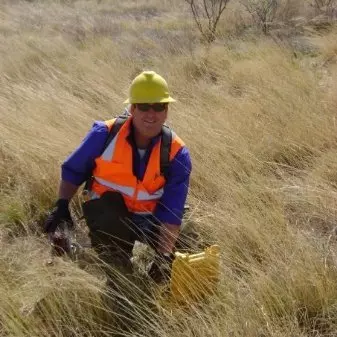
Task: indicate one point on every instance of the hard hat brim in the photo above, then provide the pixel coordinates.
(151, 101)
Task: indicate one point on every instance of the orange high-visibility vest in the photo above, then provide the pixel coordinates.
(113, 172)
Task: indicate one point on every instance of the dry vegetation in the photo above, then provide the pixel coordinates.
(259, 115)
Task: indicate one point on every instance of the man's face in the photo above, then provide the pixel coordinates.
(148, 119)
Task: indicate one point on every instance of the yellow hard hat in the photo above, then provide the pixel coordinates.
(149, 87)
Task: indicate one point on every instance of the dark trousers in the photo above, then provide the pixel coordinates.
(113, 234)
(112, 231)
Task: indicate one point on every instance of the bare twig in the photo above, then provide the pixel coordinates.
(211, 10)
(262, 11)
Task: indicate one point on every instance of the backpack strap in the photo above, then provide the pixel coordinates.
(165, 151)
(116, 126)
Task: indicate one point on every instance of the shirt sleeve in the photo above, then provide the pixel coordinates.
(171, 206)
(78, 166)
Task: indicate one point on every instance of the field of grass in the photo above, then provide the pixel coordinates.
(259, 116)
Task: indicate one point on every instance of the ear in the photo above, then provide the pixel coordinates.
(166, 111)
(132, 109)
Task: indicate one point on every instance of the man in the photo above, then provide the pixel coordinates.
(137, 172)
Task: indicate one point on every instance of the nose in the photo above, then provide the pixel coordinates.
(150, 112)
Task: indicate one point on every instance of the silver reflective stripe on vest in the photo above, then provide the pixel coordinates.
(123, 189)
(109, 151)
(143, 213)
(147, 196)
(93, 195)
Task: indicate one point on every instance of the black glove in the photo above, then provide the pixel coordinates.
(58, 215)
(160, 269)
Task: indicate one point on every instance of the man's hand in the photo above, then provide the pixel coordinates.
(160, 270)
(58, 215)
(168, 235)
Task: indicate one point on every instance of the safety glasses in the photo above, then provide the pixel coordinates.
(157, 107)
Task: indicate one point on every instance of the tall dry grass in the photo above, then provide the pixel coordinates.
(259, 115)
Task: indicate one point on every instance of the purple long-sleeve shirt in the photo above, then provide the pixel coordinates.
(77, 168)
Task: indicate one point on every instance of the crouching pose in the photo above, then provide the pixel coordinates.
(137, 173)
